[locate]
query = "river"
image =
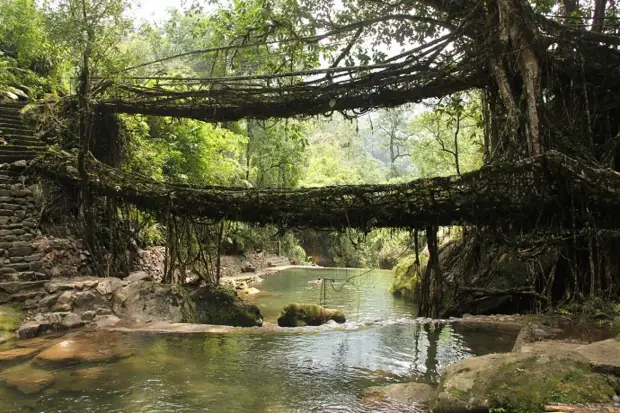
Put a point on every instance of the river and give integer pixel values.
(304, 370)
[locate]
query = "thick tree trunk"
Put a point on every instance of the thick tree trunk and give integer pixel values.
(599, 15)
(524, 70)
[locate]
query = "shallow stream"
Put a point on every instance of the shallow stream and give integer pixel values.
(305, 370)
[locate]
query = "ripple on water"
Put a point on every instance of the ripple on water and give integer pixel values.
(322, 370)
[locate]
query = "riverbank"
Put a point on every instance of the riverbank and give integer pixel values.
(557, 364)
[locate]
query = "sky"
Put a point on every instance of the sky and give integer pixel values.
(154, 10)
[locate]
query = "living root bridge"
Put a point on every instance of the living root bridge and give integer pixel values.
(533, 190)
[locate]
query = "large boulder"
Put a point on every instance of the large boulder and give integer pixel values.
(522, 382)
(149, 301)
(300, 315)
(220, 305)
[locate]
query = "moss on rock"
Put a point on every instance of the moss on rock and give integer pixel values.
(406, 279)
(10, 319)
(300, 315)
(519, 382)
(217, 304)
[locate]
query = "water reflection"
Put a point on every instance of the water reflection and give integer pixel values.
(267, 372)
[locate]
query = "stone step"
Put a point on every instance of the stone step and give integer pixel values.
(22, 148)
(7, 109)
(25, 141)
(12, 123)
(13, 287)
(14, 158)
(19, 150)
(16, 135)
(15, 128)
(10, 115)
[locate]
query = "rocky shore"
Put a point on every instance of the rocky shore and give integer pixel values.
(556, 365)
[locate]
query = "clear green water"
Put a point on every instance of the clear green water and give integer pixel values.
(311, 370)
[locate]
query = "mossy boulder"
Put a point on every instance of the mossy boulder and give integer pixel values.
(519, 382)
(217, 304)
(10, 319)
(301, 315)
(615, 327)
(406, 277)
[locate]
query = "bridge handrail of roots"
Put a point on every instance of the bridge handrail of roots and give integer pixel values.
(534, 187)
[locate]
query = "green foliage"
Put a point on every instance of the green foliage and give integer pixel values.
(27, 55)
(193, 152)
(448, 139)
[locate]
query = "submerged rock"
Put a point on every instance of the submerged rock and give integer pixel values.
(300, 315)
(27, 379)
(145, 300)
(410, 394)
(519, 382)
(220, 305)
(79, 350)
(17, 354)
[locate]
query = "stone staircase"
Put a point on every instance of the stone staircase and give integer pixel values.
(278, 262)
(21, 276)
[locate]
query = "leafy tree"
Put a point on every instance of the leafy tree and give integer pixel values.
(448, 140)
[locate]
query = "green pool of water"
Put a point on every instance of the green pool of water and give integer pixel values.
(303, 371)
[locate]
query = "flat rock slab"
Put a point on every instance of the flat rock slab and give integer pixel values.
(603, 356)
(17, 354)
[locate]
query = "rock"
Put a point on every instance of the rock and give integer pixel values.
(145, 300)
(72, 320)
(108, 286)
(300, 315)
(78, 350)
(17, 354)
(248, 267)
(26, 379)
(406, 393)
(220, 305)
(29, 329)
(84, 299)
(603, 356)
(64, 302)
(106, 321)
(88, 315)
(138, 276)
(18, 92)
(519, 382)
(252, 291)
